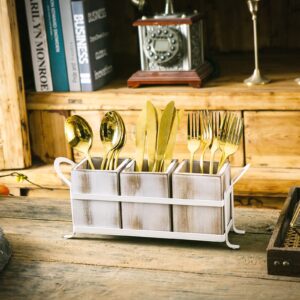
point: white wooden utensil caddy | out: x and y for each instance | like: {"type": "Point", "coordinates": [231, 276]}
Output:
{"type": "Point", "coordinates": [97, 204]}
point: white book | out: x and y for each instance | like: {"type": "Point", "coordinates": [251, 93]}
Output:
{"type": "Point", "coordinates": [70, 45]}
{"type": "Point", "coordinates": [39, 45]}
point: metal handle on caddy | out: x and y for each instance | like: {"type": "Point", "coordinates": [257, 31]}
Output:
{"type": "Point", "coordinates": [229, 194]}
{"type": "Point", "coordinates": [240, 175]}
{"type": "Point", "coordinates": [58, 161]}
{"type": "Point", "coordinates": [236, 179]}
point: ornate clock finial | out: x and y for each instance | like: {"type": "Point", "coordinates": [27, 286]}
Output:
{"type": "Point", "coordinates": [169, 7]}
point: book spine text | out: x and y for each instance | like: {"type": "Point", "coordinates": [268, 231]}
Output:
{"type": "Point", "coordinates": [70, 45]}
{"type": "Point", "coordinates": [56, 45]}
{"type": "Point", "coordinates": [82, 46]}
{"type": "Point", "coordinates": [38, 45]}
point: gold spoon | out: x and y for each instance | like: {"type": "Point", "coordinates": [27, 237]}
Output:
{"type": "Point", "coordinates": [79, 135]}
{"type": "Point", "coordinates": [110, 135]}
{"type": "Point", "coordinates": [113, 156]}
{"type": "Point", "coordinates": [115, 152]}
{"type": "Point", "coordinates": [122, 141]}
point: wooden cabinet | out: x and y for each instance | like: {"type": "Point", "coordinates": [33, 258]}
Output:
{"type": "Point", "coordinates": [14, 141]}
{"type": "Point", "coordinates": [271, 112]}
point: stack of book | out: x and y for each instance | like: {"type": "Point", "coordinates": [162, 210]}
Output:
{"type": "Point", "coordinates": [69, 44]}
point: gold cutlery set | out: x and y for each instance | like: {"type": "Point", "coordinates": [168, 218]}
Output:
{"type": "Point", "coordinates": [156, 136]}
{"type": "Point", "coordinates": [156, 133]}
{"type": "Point", "coordinates": [112, 134]}
{"type": "Point", "coordinates": [210, 130]}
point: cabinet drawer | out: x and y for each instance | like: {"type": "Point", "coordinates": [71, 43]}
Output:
{"type": "Point", "coordinates": [272, 139]}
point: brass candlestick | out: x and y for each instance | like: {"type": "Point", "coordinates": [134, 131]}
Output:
{"type": "Point", "coordinates": [140, 4]}
{"type": "Point", "coordinates": [257, 78]}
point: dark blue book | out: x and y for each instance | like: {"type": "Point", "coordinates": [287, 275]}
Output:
{"type": "Point", "coordinates": [56, 45]}
{"type": "Point", "coordinates": [92, 42]}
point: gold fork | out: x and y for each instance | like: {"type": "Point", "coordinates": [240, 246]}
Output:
{"type": "Point", "coordinates": [206, 135]}
{"type": "Point", "coordinates": [193, 136]}
{"type": "Point", "coordinates": [230, 136]}
{"type": "Point", "coordinates": [215, 145]}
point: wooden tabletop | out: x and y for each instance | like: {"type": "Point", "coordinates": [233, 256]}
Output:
{"type": "Point", "coordinates": [44, 265]}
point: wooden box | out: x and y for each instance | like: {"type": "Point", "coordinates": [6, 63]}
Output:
{"type": "Point", "coordinates": [200, 219]}
{"type": "Point", "coordinates": [283, 252]}
{"type": "Point", "coordinates": [146, 216]}
{"type": "Point", "coordinates": [88, 211]}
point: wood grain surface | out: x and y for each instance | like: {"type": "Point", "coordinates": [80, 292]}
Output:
{"type": "Point", "coordinates": [193, 78]}
{"type": "Point", "coordinates": [47, 135]}
{"type": "Point", "coordinates": [146, 184]}
{"type": "Point", "coordinates": [205, 220]}
{"type": "Point", "coordinates": [46, 265]}
{"type": "Point", "coordinates": [224, 92]}
{"type": "Point", "coordinates": [277, 21]}
{"type": "Point", "coordinates": [88, 213]}
{"type": "Point", "coordinates": [272, 139]}
{"type": "Point", "coordinates": [14, 133]}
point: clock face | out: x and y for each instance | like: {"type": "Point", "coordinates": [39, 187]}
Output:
{"type": "Point", "coordinates": [163, 45]}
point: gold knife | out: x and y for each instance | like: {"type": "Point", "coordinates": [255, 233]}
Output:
{"type": "Point", "coordinates": [140, 137]}
{"type": "Point", "coordinates": [158, 113]}
{"type": "Point", "coordinates": [172, 140]}
{"type": "Point", "coordinates": [151, 129]}
{"type": "Point", "coordinates": [164, 131]}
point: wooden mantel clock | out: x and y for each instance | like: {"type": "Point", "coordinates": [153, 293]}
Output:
{"type": "Point", "coordinates": [171, 50]}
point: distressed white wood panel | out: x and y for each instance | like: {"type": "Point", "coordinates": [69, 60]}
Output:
{"type": "Point", "coordinates": [98, 182]}
{"type": "Point", "coordinates": [147, 184]}
{"type": "Point", "coordinates": [96, 213]}
{"type": "Point", "coordinates": [205, 220]}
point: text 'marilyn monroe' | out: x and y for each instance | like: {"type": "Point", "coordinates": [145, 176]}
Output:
{"type": "Point", "coordinates": [39, 44]}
